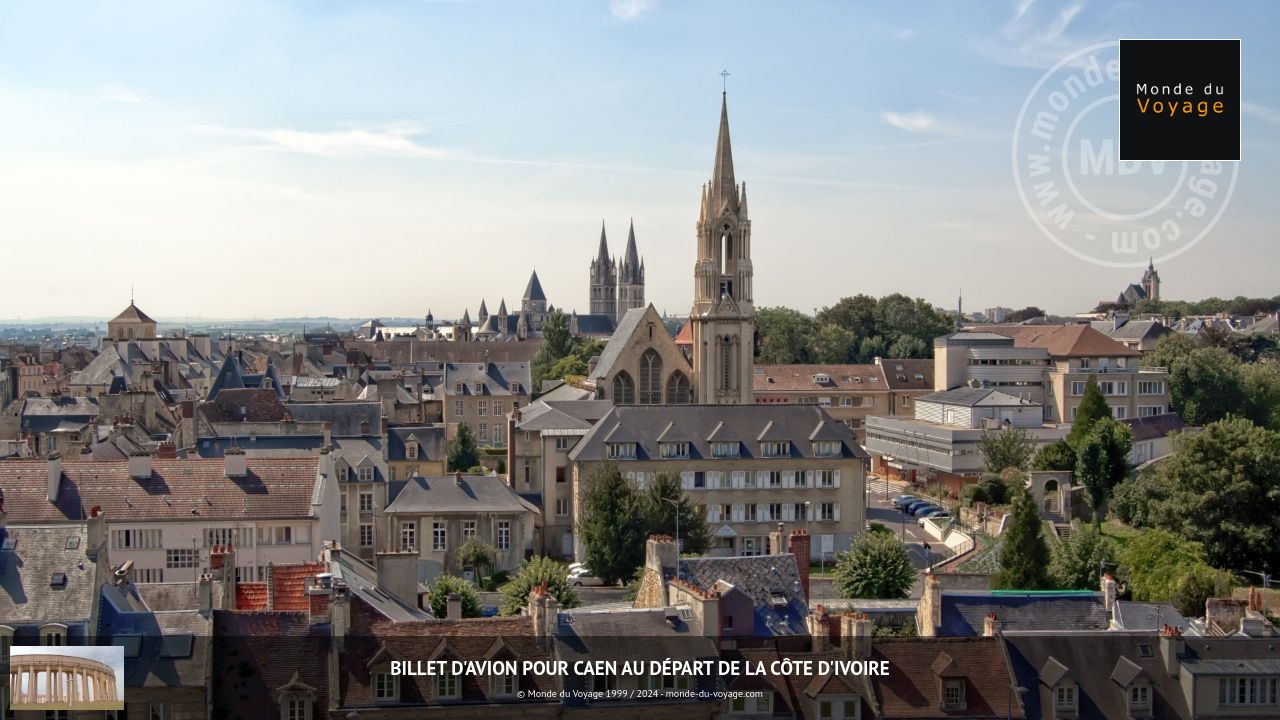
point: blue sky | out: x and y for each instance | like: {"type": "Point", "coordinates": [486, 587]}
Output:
{"type": "Point", "coordinates": [241, 159]}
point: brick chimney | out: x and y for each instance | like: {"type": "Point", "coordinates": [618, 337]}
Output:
{"type": "Point", "coordinates": [818, 623]}
{"type": "Point", "coordinates": [856, 632]}
{"type": "Point", "coordinates": [799, 546]}
{"type": "Point", "coordinates": [1109, 593]}
{"type": "Point", "coordinates": [453, 605]}
{"type": "Point", "coordinates": [929, 608]}
{"type": "Point", "coordinates": [1171, 646]}
{"type": "Point", "coordinates": [235, 462]}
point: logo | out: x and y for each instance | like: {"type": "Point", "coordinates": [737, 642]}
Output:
{"type": "Point", "coordinates": [1180, 99]}
{"type": "Point", "coordinates": [1082, 196]}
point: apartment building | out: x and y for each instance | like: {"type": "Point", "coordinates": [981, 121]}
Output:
{"type": "Point", "coordinates": [849, 393]}
{"type": "Point", "coordinates": [481, 394]}
{"type": "Point", "coordinates": [752, 466]}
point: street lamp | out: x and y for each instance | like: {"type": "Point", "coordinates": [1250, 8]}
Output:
{"type": "Point", "coordinates": [806, 516]}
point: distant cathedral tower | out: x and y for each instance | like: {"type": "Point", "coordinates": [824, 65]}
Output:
{"type": "Point", "coordinates": [723, 315]}
{"type": "Point", "coordinates": [630, 277]}
{"type": "Point", "coordinates": [1151, 282]}
{"type": "Point", "coordinates": [604, 281]}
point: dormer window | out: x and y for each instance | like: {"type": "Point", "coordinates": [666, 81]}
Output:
{"type": "Point", "coordinates": [503, 686]}
{"type": "Point", "coordinates": [457, 388]}
{"type": "Point", "coordinates": [821, 378]}
{"type": "Point", "coordinates": [411, 450]}
{"type": "Point", "coordinates": [724, 449]}
{"type": "Point", "coordinates": [1064, 701]}
{"type": "Point", "coordinates": [447, 687]}
{"type": "Point", "coordinates": [622, 451]}
{"type": "Point", "coordinates": [53, 634]}
{"type": "Point", "coordinates": [826, 448]}
{"type": "Point", "coordinates": [295, 708]}
{"type": "Point", "coordinates": [840, 708]}
{"type": "Point", "coordinates": [775, 449]}
{"type": "Point", "coordinates": [477, 387]}
{"type": "Point", "coordinates": [675, 450]}
{"type": "Point", "coordinates": [386, 687]}
{"type": "Point", "coordinates": [1139, 700]}
{"type": "Point", "coordinates": [953, 695]}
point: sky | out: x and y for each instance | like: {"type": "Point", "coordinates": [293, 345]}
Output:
{"type": "Point", "coordinates": [112, 655]}
{"type": "Point", "coordinates": [375, 159]}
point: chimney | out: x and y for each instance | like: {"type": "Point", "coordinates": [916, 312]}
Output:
{"type": "Point", "coordinates": [551, 616]}
{"type": "Point", "coordinates": [97, 532]}
{"type": "Point", "coordinates": [398, 576]}
{"type": "Point", "coordinates": [328, 434]}
{"type": "Point", "coordinates": [929, 609]}
{"type": "Point", "coordinates": [339, 612]}
{"type": "Point", "coordinates": [660, 555]}
{"type": "Point", "coordinates": [991, 625]}
{"type": "Point", "coordinates": [454, 605]}
{"type": "Point", "coordinates": [55, 475]}
{"type": "Point", "coordinates": [1254, 624]}
{"type": "Point", "coordinates": [819, 626]}
{"type": "Point", "coordinates": [457, 478]}
{"type": "Point", "coordinates": [235, 462]}
{"type": "Point", "coordinates": [1109, 593]}
{"type": "Point", "coordinates": [856, 632]}
{"type": "Point", "coordinates": [538, 609]}
{"type": "Point", "coordinates": [204, 593]}
{"type": "Point", "coordinates": [511, 443]}
{"type": "Point", "coordinates": [122, 575]}
{"type": "Point", "coordinates": [799, 544]}
{"type": "Point", "coordinates": [1171, 647]}
{"type": "Point", "coordinates": [776, 546]}
{"type": "Point", "coordinates": [140, 465]}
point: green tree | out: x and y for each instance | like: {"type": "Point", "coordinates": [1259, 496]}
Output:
{"type": "Point", "coordinates": [1005, 448]}
{"type": "Point", "coordinates": [1102, 462]}
{"type": "Point", "coordinates": [1093, 407]}
{"type": "Point", "coordinates": [463, 453]}
{"type": "Point", "coordinates": [1154, 561]}
{"type": "Point", "coordinates": [907, 346]}
{"type": "Point", "coordinates": [660, 514]}
{"type": "Point", "coordinates": [876, 566]}
{"type": "Point", "coordinates": [1026, 313]}
{"type": "Point", "coordinates": [1057, 455]}
{"type": "Point", "coordinates": [1261, 387]}
{"type": "Point", "coordinates": [532, 573]}
{"type": "Point", "coordinates": [856, 314]}
{"type": "Point", "coordinates": [784, 335]}
{"type": "Point", "coordinates": [1206, 386]}
{"type": "Point", "coordinates": [1024, 556]}
{"type": "Point", "coordinates": [1169, 350]}
{"type": "Point", "coordinates": [831, 344]}
{"type": "Point", "coordinates": [1139, 500]}
{"type": "Point", "coordinates": [475, 553]}
{"type": "Point", "coordinates": [557, 344]}
{"type": "Point", "coordinates": [1077, 560]}
{"type": "Point", "coordinates": [1197, 584]}
{"type": "Point", "coordinates": [613, 525]}
{"type": "Point", "coordinates": [444, 586]}
{"type": "Point", "coordinates": [1224, 492]}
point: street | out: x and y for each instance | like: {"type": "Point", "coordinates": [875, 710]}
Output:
{"type": "Point", "coordinates": [881, 510]}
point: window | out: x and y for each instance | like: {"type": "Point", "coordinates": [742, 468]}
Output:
{"type": "Point", "coordinates": [678, 390]}
{"type": "Point", "coordinates": [135, 539]}
{"type": "Point", "coordinates": [482, 432]}
{"type": "Point", "coordinates": [775, 478]}
{"type": "Point", "coordinates": [365, 501]}
{"type": "Point", "coordinates": [622, 450]}
{"type": "Point", "coordinates": [1064, 698]}
{"type": "Point", "coordinates": [775, 449]}
{"type": "Point", "coordinates": [624, 390]}
{"type": "Point", "coordinates": [826, 449]}
{"type": "Point", "coordinates": [148, 575]}
{"type": "Point", "coordinates": [284, 535]}
{"type": "Point", "coordinates": [366, 535]}
{"type": "Point", "coordinates": [724, 449]}
{"type": "Point", "coordinates": [411, 450]}
{"type": "Point", "coordinates": [675, 450]}
{"type": "Point", "coordinates": [827, 511]}
{"type": "Point", "coordinates": [801, 478]}
{"type": "Point", "coordinates": [800, 511]}
{"type": "Point", "coordinates": [775, 511]}
{"type": "Point", "coordinates": [562, 506]}
{"type": "Point", "coordinates": [563, 444]}
{"type": "Point", "coordinates": [53, 634]}
{"type": "Point", "coordinates": [953, 695]}
{"type": "Point", "coordinates": [342, 473]}
{"type": "Point", "coordinates": [750, 512]}
{"type": "Point", "coordinates": [1077, 387]}
{"type": "Point", "coordinates": [497, 408]}
{"type": "Point", "coordinates": [504, 534]}
{"type": "Point", "coordinates": [180, 558]}
{"type": "Point", "coordinates": [650, 378]}
{"type": "Point", "coordinates": [439, 537]}
{"type": "Point", "coordinates": [297, 709]}
{"type": "Point", "coordinates": [385, 688]}
{"type": "Point", "coordinates": [1119, 412]}
{"type": "Point", "coordinates": [840, 708]}
{"type": "Point", "coordinates": [482, 407]}
{"type": "Point", "coordinates": [458, 407]}
{"type": "Point", "coordinates": [1139, 697]}
{"type": "Point", "coordinates": [365, 474]}
{"type": "Point", "coordinates": [468, 529]}
{"type": "Point", "coordinates": [503, 686]}
{"type": "Point", "coordinates": [498, 434]}
{"type": "Point", "coordinates": [1150, 387]}
{"type": "Point", "coordinates": [1150, 410]}
{"type": "Point", "coordinates": [447, 686]}
{"type": "Point", "coordinates": [219, 536]}
{"type": "Point", "coordinates": [1247, 691]}
{"type": "Point", "coordinates": [408, 535]}
{"type": "Point", "coordinates": [827, 478]}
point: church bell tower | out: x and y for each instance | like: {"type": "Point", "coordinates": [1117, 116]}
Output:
{"type": "Point", "coordinates": [723, 315]}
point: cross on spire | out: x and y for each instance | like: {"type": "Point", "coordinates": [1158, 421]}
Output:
{"type": "Point", "coordinates": [724, 81]}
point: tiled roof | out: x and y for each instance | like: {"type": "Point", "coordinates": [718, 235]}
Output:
{"type": "Point", "coordinates": [244, 404]}
{"type": "Point", "coordinates": [252, 596]}
{"type": "Point", "coordinates": [288, 584]}
{"type": "Point", "coordinates": [27, 594]}
{"type": "Point", "coordinates": [759, 578]}
{"type": "Point", "coordinates": [176, 490]}
{"type": "Point", "coordinates": [471, 494]}
{"type": "Point", "coordinates": [803, 378]}
{"type": "Point", "coordinates": [133, 313]}
{"type": "Point", "coordinates": [1154, 426]}
{"type": "Point", "coordinates": [911, 689]}
{"type": "Point", "coordinates": [1077, 340]}
{"type": "Point", "coordinates": [963, 613]}
{"type": "Point", "coordinates": [255, 654]}
{"type": "Point", "coordinates": [908, 374]}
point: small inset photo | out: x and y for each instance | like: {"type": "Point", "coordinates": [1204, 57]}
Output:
{"type": "Point", "coordinates": [66, 678]}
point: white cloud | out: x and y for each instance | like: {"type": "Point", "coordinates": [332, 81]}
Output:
{"type": "Point", "coordinates": [1270, 115]}
{"type": "Point", "coordinates": [1036, 35]}
{"type": "Point", "coordinates": [916, 122]}
{"type": "Point", "coordinates": [628, 10]}
{"type": "Point", "coordinates": [389, 141]}
{"type": "Point", "coordinates": [121, 94]}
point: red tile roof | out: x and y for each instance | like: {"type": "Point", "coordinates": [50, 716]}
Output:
{"type": "Point", "coordinates": [257, 653]}
{"type": "Point", "coordinates": [800, 378]}
{"type": "Point", "coordinates": [288, 584]}
{"type": "Point", "coordinates": [685, 336]}
{"type": "Point", "coordinates": [1077, 340]}
{"type": "Point", "coordinates": [251, 596]}
{"type": "Point", "coordinates": [911, 689]}
{"type": "Point", "coordinates": [176, 490]}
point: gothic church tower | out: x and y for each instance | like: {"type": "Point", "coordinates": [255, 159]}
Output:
{"type": "Point", "coordinates": [604, 281]}
{"type": "Point", "coordinates": [1151, 281]}
{"type": "Point", "coordinates": [630, 278]}
{"type": "Point", "coordinates": [723, 314]}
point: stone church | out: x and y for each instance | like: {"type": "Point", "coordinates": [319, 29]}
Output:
{"type": "Point", "coordinates": [616, 287]}
{"type": "Point", "coordinates": [641, 364]}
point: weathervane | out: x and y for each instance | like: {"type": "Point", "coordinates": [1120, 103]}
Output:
{"type": "Point", "coordinates": [724, 81]}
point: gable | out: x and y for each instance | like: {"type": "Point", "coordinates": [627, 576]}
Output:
{"type": "Point", "coordinates": [641, 329]}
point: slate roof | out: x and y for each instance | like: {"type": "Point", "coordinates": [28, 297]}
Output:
{"type": "Point", "coordinates": [911, 688]}
{"type": "Point", "coordinates": [800, 378]}
{"type": "Point", "coordinates": [1154, 426]}
{"type": "Point", "coordinates": [533, 291]}
{"type": "Point", "coordinates": [1148, 616]}
{"type": "Point", "coordinates": [344, 417]}
{"type": "Point", "coordinates": [431, 442]}
{"type": "Point", "coordinates": [362, 582]}
{"type": "Point", "coordinates": [132, 313]}
{"type": "Point", "coordinates": [974, 397]}
{"type": "Point", "coordinates": [26, 592]}
{"type": "Point", "coordinates": [472, 494]}
{"type": "Point", "coordinates": [746, 423]}
{"type": "Point", "coordinates": [1090, 659]}
{"type": "Point", "coordinates": [619, 342]}
{"type": "Point", "coordinates": [562, 414]}
{"type": "Point", "coordinates": [1076, 340]}
{"type": "Point", "coordinates": [758, 578]}
{"type": "Point", "coordinates": [591, 324]}
{"type": "Point", "coordinates": [1132, 330]}
{"type": "Point", "coordinates": [255, 654]}
{"type": "Point", "coordinates": [963, 613]}
{"type": "Point", "coordinates": [172, 647]}
{"type": "Point", "coordinates": [495, 378]}
{"type": "Point", "coordinates": [176, 490]}
{"type": "Point", "coordinates": [44, 414]}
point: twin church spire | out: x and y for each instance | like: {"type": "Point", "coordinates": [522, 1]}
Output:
{"type": "Point", "coordinates": [617, 285]}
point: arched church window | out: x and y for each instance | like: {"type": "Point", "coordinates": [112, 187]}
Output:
{"type": "Point", "coordinates": [624, 390]}
{"type": "Point", "coordinates": [678, 389]}
{"type": "Point", "coordinates": [726, 363]}
{"type": "Point", "coordinates": [650, 378]}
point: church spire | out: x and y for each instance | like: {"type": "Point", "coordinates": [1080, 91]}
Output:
{"type": "Point", "coordinates": [602, 255]}
{"type": "Point", "coordinates": [723, 186]}
{"type": "Point", "coordinates": [632, 258]}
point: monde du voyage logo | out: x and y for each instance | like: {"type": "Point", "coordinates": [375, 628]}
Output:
{"type": "Point", "coordinates": [1123, 151]}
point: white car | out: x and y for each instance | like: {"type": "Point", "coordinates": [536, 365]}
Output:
{"type": "Point", "coordinates": [574, 567]}
{"type": "Point", "coordinates": [583, 577]}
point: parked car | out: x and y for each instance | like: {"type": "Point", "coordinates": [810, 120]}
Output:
{"type": "Point", "coordinates": [915, 505]}
{"type": "Point", "coordinates": [576, 566]}
{"type": "Point", "coordinates": [939, 514]}
{"type": "Point", "coordinates": [924, 510]}
{"type": "Point", "coordinates": [903, 500]}
{"type": "Point", "coordinates": [583, 577]}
